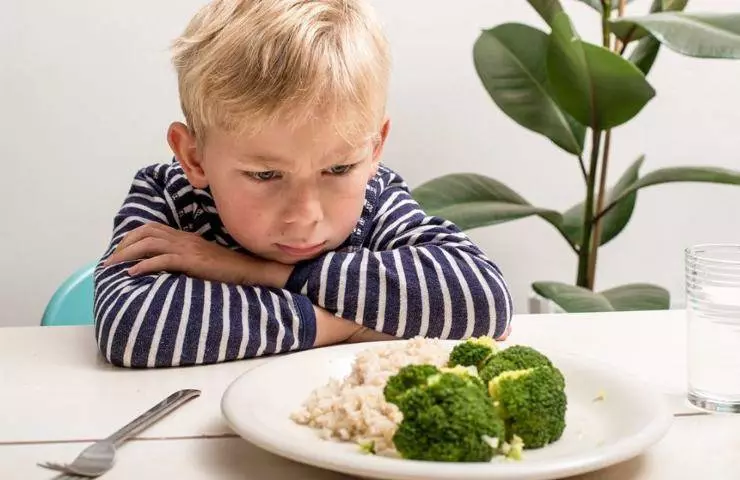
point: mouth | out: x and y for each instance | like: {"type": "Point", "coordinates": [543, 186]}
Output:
{"type": "Point", "coordinates": [301, 250]}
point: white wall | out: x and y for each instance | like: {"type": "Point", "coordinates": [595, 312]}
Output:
{"type": "Point", "coordinates": [86, 94]}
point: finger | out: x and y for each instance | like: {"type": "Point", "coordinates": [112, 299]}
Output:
{"type": "Point", "coordinates": [151, 229]}
{"type": "Point", "coordinates": [144, 248]}
{"type": "Point", "coordinates": [168, 262]}
{"type": "Point", "coordinates": [134, 236]}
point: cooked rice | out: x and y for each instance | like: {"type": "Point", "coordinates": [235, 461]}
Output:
{"type": "Point", "coordinates": [354, 409]}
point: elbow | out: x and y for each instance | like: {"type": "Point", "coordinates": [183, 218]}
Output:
{"type": "Point", "coordinates": [496, 319]}
{"type": "Point", "coordinates": [111, 355]}
{"type": "Point", "coordinates": [504, 333]}
{"type": "Point", "coordinates": [493, 322]}
{"type": "Point", "coordinates": [118, 349]}
{"type": "Point", "coordinates": [504, 311]}
{"type": "Point", "coordinates": [125, 326]}
{"type": "Point", "coordinates": [115, 360]}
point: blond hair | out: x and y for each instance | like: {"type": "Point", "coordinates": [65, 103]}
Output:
{"type": "Point", "coordinates": [244, 63]}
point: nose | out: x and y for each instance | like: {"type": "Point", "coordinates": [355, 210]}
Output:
{"type": "Point", "coordinates": [303, 206]}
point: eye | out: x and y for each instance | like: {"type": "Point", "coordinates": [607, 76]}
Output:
{"type": "Point", "coordinates": [265, 176]}
{"type": "Point", "coordinates": [340, 169]}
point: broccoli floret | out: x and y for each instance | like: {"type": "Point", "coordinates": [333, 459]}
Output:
{"type": "Point", "coordinates": [447, 420]}
{"type": "Point", "coordinates": [516, 357]}
{"type": "Point", "coordinates": [513, 450]}
{"type": "Point", "coordinates": [368, 447]}
{"type": "Point", "coordinates": [407, 377]}
{"type": "Point", "coordinates": [472, 352]}
{"type": "Point", "coordinates": [532, 403]}
{"type": "Point", "coordinates": [469, 374]}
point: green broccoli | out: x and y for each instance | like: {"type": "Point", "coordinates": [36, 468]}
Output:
{"type": "Point", "coordinates": [407, 377]}
{"type": "Point", "coordinates": [516, 357]}
{"type": "Point", "coordinates": [467, 373]}
{"type": "Point", "coordinates": [513, 450]}
{"type": "Point", "coordinates": [532, 403]}
{"type": "Point", "coordinates": [368, 447]}
{"type": "Point", "coordinates": [448, 420]}
{"type": "Point", "coordinates": [472, 352]}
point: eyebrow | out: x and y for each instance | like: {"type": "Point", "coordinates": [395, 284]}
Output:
{"type": "Point", "coordinates": [267, 160]}
{"type": "Point", "coordinates": [270, 160]}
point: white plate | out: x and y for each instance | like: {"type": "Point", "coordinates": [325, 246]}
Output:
{"type": "Point", "coordinates": [258, 405]}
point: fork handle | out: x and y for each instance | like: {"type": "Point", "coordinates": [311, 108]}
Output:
{"type": "Point", "coordinates": [152, 415]}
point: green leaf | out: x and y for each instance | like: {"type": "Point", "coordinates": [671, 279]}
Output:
{"type": "Point", "coordinates": [681, 174]}
{"type": "Point", "coordinates": [657, 6]}
{"type": "Point", "coordinates": [647, 48]}
{"type": "Point", "coordinates": [627, 32]}
{"type": "Point", "coordinates": [572, 298]}
{"type": "Point", "coordinates": [459, 188]}
{"type": "Point", "coordinates": [616, 219]}
{"type": "Point", "coordinates": [645, 53]}
{"type": "Point", "coordinates": [631, 32]}
{"type": "Point", "coordinates": [470, 200]}
{"type": "Point", "coordinates": [673, 5]}
{"type": "Point", "coordinates": [596, 4]}
{"type": "Point", "coordinates": [636, 296]}
{"type": "Point", "coordinates": [692, 34]}
{"type": "Point", "coordinates": [510, 60]}
{"type": "Point", "coordinates": [596, 86]}
{"type": "Point", "coordinates": [547, 9]}
{"type": "Point", "coordinates": [476, 214]}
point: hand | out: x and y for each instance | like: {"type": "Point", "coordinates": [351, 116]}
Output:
{"type": "Point", "coordinates": [364, 334]}
{"type": "Point", "coordinates": [162, 248]}
{"type": "Point", "coordinates": [506, 334]}
{"type": "Point", "coordinates": [331, 330]}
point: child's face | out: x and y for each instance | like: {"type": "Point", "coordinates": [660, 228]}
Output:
{"type": "Point", "coordinates": [284, 194]}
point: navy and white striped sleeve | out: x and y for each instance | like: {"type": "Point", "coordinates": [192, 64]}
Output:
{"type": "Point", "coordinates": [415, 275]}
{"type": "Point", "coordinates": [170, 319]}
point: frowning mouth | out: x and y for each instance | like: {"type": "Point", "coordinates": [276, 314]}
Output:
{"type": "Point", "coordinates": [301, 250]}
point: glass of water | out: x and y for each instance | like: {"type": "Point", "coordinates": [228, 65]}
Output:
{"type": "Point", "coordinates": [713, 309]}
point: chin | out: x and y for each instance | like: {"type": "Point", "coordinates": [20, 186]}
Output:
{"type": "Point", "coordinates": [288, 261]}
{"type": "Point", "coordinates": [281, 257]}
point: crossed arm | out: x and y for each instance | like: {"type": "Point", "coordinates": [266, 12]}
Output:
{"type": "Point", "coordinates": [165, 297]}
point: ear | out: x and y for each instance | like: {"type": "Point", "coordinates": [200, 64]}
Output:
{"type": "Point", "coordinates": [379, 144]}
{"type": "Point", "coordinates": [184, 146]}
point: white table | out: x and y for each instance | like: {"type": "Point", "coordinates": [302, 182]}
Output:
{"type": "Point", "coordinates": [57, 394]}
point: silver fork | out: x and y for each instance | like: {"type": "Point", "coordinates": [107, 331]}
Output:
{"type": "Point", "coordinates": [99, 457]}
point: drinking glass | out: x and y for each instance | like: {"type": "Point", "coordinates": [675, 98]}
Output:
{"type": "Point", "coordinates": [713, 310]}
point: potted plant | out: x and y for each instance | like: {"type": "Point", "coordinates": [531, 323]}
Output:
{"type": "Point", "coordinates": [562, 87]}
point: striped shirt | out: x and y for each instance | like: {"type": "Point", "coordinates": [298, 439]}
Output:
{"type": "Point", "coordinates": [400, 272]}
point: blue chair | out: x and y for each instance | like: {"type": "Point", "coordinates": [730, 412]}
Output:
{"type": "Point", "coordinates": [72, 303]}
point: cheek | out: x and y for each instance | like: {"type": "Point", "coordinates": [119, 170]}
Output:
{"type": "Point", "coordinates": [346, 206]}
{"type": "Point", "coordinates": [241, 209]}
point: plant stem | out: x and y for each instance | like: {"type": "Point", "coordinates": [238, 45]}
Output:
{"type": "Point", "coordinates": [596, 237]}
{"type": "Point", "coordinates": [618, 45]}
{"type": "Point", "coordinates": [584, 253]}
{"type": "Point", "coordinates": [605, 28]}
{"type": "Point", "coordinates": [601, 214]}
{"type": "Point", "coordinates": [583, 169]}
{"type": "Point", "coordinates": [604, 169]}
{"type": "Point", "coordinates": [590, 242]}
{"type": "Point", "coordinates": [622, 47]}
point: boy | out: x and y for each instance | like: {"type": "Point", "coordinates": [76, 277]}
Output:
{"type": "Point", "coordinates": [275, 228]}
